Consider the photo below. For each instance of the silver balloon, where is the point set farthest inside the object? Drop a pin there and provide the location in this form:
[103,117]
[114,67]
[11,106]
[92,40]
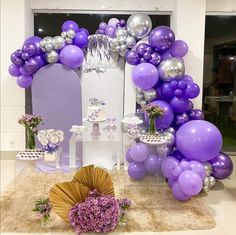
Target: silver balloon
[121,32]
[205,189]
[139,90]
[139,98]
[63,34]
[172,68]
[58,42]
[70,33]
[150,95]
[170,138]
[130,42]
[123,48]
[48,39]
[42,43]
[139,25]
[49,47]
[68,40]
[52,57]
[112,46]
[118,49]
[122,40]
[143,103]
[206,182]
[122,53]
[171,130]
[208,168]
[212,181]
[115,42]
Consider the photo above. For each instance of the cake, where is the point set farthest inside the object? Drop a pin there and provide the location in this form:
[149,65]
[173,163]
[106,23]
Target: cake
[96,110]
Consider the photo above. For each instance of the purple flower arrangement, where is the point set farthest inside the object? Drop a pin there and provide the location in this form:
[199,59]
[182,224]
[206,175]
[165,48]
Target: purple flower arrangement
[99,213]
[31,121]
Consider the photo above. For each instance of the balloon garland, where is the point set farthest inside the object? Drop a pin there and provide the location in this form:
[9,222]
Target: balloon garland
[195,161]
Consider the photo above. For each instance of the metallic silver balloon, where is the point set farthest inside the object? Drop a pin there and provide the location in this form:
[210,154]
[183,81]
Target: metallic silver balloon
[42,43]
[121,32]
[143,103]
[70,33]
[171,130]
[58,42]
[63,34]
[112,46]
[115,42]
[208,168]
[212,181]
[150,95]
[52,57]
[172,68]
[122,40]
[139,98]
[123,48]
[68,40]
[118,49]
[139,90]
[139,25]
[205,189]
[206,182]
[130,42]
[170,138]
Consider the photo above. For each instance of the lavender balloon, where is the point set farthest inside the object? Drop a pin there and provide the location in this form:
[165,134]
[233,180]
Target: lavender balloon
[136,170]
[190,182]
[153,164]
[145,76]
[161,38]
[132,57]
[110,31]
[178,194]
[102,25]
[112,22]
[181,119]
[128,157]
[199,140]
[196,114]
[14,70]
[24,81]
[100,31]
[170,168]
[222,166]
[70,24]
[179,48]
[139,152]
[184,165]
[199,168]
[23,71]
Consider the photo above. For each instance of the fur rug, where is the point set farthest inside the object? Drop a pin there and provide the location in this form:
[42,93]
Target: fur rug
[153,207]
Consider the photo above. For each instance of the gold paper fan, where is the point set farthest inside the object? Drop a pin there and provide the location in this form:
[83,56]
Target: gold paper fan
[64,196]
[95,178]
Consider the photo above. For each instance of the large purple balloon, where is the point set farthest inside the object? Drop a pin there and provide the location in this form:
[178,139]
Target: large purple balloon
[138,152]
[136,170]
[153,164]
[166,119]
[161,38]
[178,194]
[24,81]
[110,31]
[14,70]
[145,76]
[70,24]
[180,105]
[222,166]
[199,140]
[71,56]
[132,57]
[181,119]
[192,90]
[35,40]
[190,182]
[196,114]
[179,48]
[81,39]
[198,167]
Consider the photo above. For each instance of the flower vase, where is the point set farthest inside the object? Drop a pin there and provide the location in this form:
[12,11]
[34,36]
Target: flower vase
[30,138]
[123,221]
[44,222]
[50,156]
[152,128]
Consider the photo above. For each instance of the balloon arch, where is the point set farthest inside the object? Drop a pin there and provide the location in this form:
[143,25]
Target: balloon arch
[158,72]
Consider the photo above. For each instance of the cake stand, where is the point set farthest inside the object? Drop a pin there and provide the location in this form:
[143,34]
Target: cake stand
[95,128]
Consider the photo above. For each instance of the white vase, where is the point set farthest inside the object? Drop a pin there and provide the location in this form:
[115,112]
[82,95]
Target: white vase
[49,157]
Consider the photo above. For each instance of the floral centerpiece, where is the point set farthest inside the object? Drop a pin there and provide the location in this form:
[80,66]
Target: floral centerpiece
[31,123]
[50,139]
[153,112]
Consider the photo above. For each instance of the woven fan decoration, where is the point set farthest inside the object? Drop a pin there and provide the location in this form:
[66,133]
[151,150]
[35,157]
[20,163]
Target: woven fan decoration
[63,196]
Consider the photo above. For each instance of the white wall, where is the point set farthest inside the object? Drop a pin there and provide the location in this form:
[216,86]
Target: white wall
[16,23]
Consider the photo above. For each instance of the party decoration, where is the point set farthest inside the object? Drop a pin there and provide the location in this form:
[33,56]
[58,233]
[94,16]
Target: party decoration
[81,39]
[138,152]
[145,76]
[196,114]
[199,140]
[132,57]
[177,192]
[222,166]
[52,57]
[179,48]
[150,95]
[14,70]
[136,170]
[180,105]
[181,119]
[153,164]
[192,90]
[70,24]
[24,81]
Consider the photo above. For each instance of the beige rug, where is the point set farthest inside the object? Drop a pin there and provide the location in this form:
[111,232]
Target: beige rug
[153,207]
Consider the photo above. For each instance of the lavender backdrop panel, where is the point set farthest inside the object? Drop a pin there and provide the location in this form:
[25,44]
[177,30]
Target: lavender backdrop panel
[56,96]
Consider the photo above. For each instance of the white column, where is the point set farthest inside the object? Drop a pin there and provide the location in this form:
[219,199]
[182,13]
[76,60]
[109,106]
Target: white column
[188,23]
[14,22]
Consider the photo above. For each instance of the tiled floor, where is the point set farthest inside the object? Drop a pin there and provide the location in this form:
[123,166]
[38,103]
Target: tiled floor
[221,200]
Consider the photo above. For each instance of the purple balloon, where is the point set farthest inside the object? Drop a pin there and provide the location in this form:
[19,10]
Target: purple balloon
[23,71]
[100,31]
[155,58]
[192,90]
[81,39]
[167,91]
[136,170]
[128,157]
[178,194]
[118,25]
[70,24]
[24,81]
[18,53]
[222,166]
[14,70]
[174,84]
[178,93]
[166,56]
[184,165]
[179,48]
[112,22]
[166,119]
[147,56]
[30,48]
[141,48]
[181,119]
[182,84]
[71,56]
[142,60]
[153,164]
[199,140]
[178,155]
[199,168]
[180,105]
[171,182]
[84,31]
[16,60]
[31,65]
[110,31]
[25,56]
[187,78]
[132,57]
[145,76]
[190,182]
[161,38]
[35,40]
[196,114]
[102,25]
[170,168]
[40,60]
[139,152]
[149,49]
[122,23]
